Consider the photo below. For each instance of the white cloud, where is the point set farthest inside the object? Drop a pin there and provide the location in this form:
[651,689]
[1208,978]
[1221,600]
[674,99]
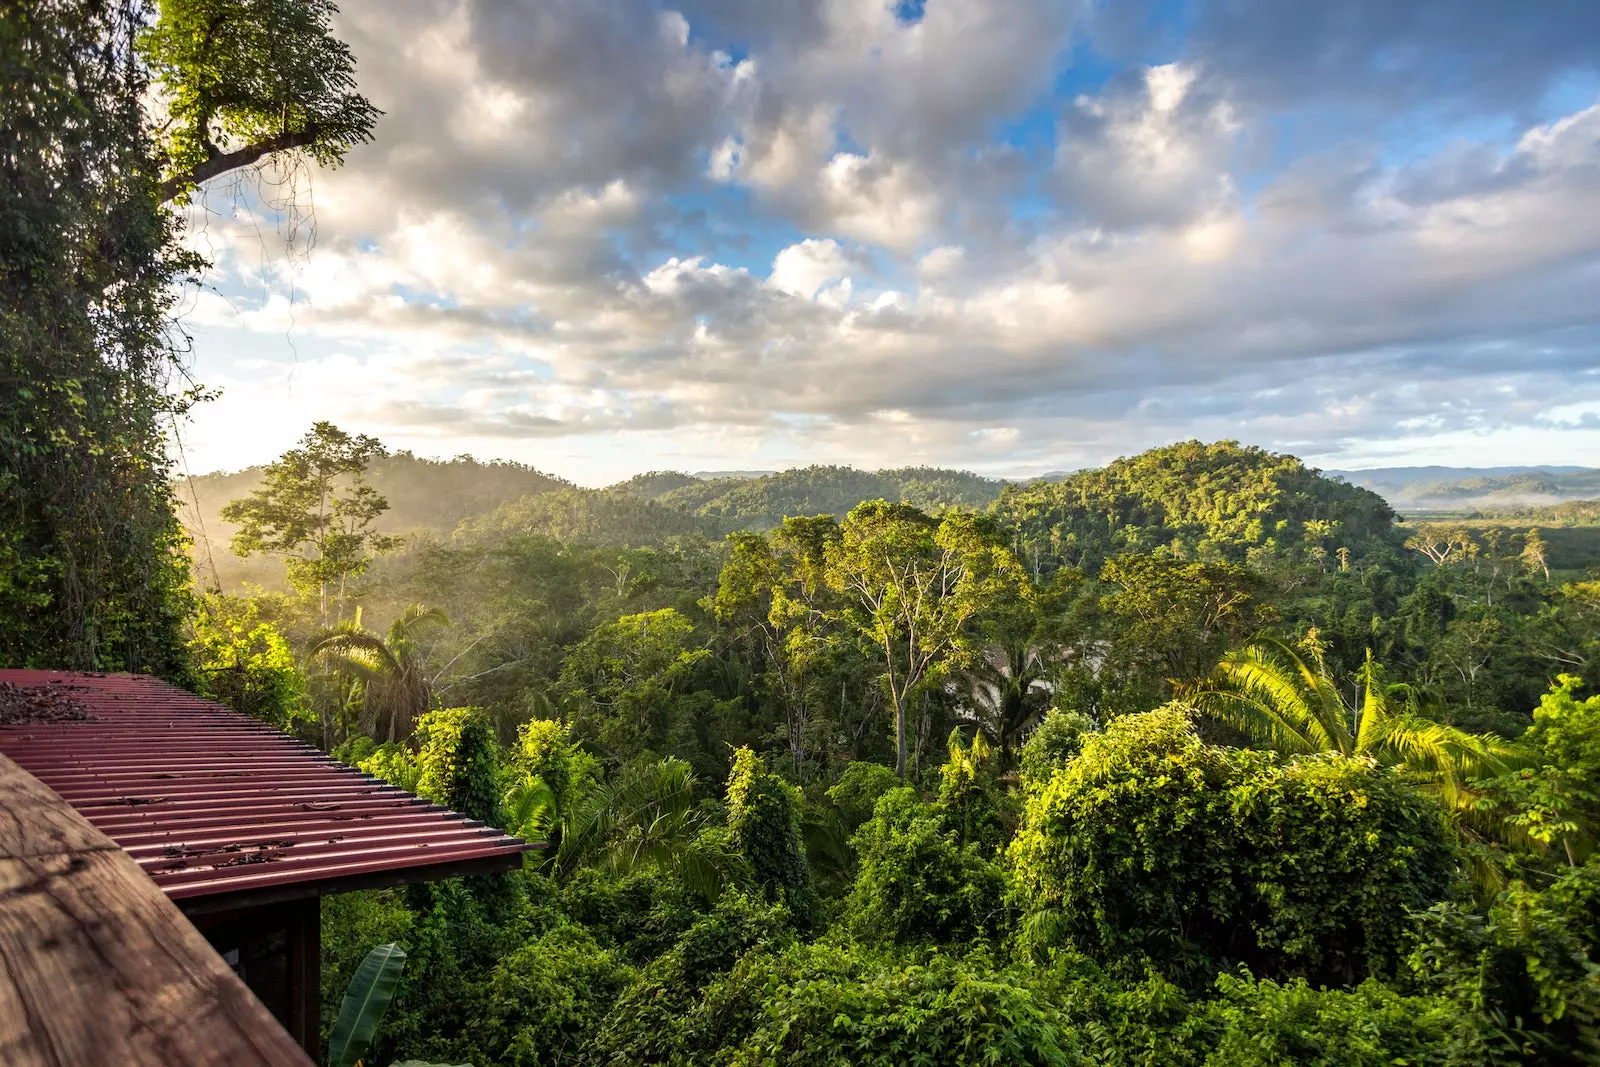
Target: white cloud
[521,259]
[1154,153]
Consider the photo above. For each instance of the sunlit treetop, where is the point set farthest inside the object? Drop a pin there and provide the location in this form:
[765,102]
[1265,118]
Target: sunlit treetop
[243,79]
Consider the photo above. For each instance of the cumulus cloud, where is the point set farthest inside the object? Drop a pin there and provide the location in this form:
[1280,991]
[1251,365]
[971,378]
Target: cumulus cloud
[812,228]
[1153,152]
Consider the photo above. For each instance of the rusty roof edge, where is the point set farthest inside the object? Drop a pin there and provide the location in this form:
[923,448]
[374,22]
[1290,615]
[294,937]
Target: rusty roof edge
[128,708]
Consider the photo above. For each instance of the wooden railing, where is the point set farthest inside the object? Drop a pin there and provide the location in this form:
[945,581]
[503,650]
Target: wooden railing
[97,966]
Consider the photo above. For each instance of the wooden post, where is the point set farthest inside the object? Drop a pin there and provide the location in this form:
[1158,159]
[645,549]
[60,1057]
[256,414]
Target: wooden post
[305,975]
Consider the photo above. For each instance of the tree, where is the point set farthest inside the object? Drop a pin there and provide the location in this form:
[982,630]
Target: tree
[396,689]
[1536,552]
[316,510]
[1556,799]
[778,587]
[243,660]
[456,762]
[764,827]
[1443,544]
[645,817]
[244,79]
[1006,691]
[1291,701]
[92,570]
[912,585]
[1176,617]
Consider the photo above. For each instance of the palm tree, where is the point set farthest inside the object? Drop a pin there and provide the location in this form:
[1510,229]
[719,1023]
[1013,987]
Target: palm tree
[1291,702]
[395,688]
[644,817]
[1006,692]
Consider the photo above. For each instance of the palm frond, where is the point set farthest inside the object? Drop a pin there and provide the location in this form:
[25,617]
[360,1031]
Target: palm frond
[530,808]
[1257,694]
[413,617]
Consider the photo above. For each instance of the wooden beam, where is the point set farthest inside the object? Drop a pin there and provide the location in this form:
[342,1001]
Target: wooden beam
[98,966]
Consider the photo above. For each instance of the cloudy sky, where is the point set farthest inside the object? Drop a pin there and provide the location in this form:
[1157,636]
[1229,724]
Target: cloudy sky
[608,236]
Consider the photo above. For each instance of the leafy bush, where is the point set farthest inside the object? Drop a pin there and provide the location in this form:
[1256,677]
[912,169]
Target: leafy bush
[1054,743]
[544,751]
[456,761]
[830,1006]
[970,803]
[1524,982]
[545,999]
[642,914]
[858,789]
[245,662]
[392,761]
[1264,1024]
[1154,845]
[764,823]
[917,882]
[647,1024]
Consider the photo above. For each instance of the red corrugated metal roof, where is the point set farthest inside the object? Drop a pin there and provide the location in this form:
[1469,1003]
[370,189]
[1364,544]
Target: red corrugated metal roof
[212,802]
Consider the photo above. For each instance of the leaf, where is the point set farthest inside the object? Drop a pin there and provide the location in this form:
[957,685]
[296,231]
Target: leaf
[365,1002]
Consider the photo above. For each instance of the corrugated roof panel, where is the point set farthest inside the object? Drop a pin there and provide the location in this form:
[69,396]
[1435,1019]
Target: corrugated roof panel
[211,802]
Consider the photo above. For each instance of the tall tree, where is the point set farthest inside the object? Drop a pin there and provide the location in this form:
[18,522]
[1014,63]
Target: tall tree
[316,510]
[92,573]
[246,79]
[913,584]
[777,587]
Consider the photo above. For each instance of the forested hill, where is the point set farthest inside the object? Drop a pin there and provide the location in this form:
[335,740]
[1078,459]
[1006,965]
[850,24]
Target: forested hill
[1219,499]
[423,494]
[763,502]
[1197,499]
[428,494]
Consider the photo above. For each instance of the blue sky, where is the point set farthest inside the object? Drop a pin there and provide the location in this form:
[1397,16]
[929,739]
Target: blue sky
[604,237]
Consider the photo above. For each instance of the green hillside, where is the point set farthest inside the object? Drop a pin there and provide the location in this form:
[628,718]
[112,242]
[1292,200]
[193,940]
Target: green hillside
[423,494]
[1195,499]
[761,503]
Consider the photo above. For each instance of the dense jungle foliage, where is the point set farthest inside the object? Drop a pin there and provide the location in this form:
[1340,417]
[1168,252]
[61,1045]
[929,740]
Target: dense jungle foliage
[1205,759]
[1199,759]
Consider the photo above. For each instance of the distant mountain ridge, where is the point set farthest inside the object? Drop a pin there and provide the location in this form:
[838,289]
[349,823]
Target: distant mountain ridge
[1476,488]
[1408,475]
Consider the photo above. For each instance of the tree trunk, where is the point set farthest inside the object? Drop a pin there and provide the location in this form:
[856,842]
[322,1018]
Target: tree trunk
[899,735]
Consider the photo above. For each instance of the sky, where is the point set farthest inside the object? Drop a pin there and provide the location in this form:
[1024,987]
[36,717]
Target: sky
[607,236]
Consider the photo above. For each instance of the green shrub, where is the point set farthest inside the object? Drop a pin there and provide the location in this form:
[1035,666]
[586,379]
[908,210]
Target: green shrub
[1153,845]
[917,883]
[858,789]
[456,760]
[392,761]
[642,914]
[764,824]
[647,1024]
[544,1000]
[1241,1022]
[970,803]
[1264,1024]
[1524,982]
[544,751]
[830,1006]
[1054,743]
